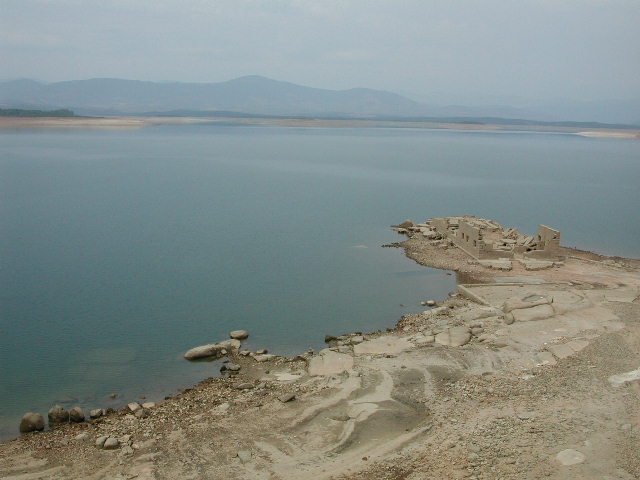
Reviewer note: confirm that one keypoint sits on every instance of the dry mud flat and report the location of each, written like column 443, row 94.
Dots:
column 537, row 378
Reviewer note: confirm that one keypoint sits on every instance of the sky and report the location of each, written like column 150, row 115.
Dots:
column 502, row 50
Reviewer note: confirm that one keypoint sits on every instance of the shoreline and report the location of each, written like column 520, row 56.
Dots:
column 136, row 122
column 401, row 404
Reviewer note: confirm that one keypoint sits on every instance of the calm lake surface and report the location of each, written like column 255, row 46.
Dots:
column 122, row 249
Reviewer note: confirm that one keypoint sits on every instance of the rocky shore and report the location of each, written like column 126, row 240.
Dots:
column 519, row 374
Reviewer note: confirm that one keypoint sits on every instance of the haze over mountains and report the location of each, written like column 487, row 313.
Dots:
column 264, row 96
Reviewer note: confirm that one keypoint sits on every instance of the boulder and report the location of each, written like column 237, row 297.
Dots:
column 31, row 422
column 215, row 350
column 58, row 414
column 96, row 413
column 454, row 337
column 76, row 415
column 239, row 334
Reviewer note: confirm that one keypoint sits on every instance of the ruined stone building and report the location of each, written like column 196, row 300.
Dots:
column 490, row 243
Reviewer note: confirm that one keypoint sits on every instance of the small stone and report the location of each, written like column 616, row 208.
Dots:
column 244, row 455
column 245, row 353
column 341, row 417
column 141, row 413
column 83, row 437
column 570, row 457
column 243, row 386
column 477, row 331
column 127, row 450
column 262, row 351
column 76, row 415
column 287, row 397
column 111, row 443
column 430, row 303
column 263, row 357
column 148, row 405
column 233, row 367
column 113, row 395
column 100, row 441
column 31, row 422
column 239, row 334
column 357, row 339
column 134, row 406
column 329, row 338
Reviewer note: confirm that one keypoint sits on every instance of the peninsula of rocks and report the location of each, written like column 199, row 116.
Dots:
column 529, row 370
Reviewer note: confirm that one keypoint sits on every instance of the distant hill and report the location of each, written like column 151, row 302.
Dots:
column 252, row 94
column 256, row 95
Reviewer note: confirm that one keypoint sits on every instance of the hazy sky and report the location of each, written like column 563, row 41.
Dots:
column 576, row 49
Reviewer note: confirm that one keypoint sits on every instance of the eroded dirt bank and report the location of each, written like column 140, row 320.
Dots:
column 459, row 391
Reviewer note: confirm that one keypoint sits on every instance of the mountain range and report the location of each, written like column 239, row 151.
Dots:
column 264, row 96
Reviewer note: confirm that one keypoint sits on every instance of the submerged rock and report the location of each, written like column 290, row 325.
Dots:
column 31, row 422
column 239, row 334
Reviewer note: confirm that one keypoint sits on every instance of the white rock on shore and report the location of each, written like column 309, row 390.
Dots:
column 212, row 350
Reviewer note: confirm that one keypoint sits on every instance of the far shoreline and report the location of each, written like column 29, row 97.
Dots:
column 136, row 122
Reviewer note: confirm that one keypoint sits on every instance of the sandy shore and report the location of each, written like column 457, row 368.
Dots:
column 539, row 398
column 149, row 121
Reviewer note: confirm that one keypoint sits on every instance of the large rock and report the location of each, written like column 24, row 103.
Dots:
column 58, row 414
column 96, row 413
column 76, row 415
column 31, row 422
column 539, row 312
column 239, row 334
column 215, row 350
column 454, row 337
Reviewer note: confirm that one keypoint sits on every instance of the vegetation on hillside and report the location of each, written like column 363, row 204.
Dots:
column 17, row 112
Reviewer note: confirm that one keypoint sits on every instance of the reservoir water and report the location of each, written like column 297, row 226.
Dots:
column 119, row 250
